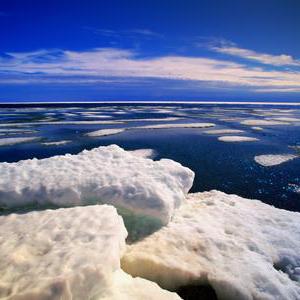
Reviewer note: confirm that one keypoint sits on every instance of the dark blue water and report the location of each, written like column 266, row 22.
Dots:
column 229, row 167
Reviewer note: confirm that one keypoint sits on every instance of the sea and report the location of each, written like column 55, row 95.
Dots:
column 61, row 128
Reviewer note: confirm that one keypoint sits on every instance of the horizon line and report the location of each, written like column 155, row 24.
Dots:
column 150, row 102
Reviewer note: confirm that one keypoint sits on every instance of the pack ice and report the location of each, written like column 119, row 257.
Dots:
column 68, row 253
column 243, row 248
column 102, row 175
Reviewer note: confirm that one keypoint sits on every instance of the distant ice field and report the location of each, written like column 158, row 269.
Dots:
column 45, row 131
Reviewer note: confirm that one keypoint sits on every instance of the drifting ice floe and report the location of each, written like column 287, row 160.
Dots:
column 223, row 131
column 273, row 159
column 257, row 128
column 243, row 248
column 70, row 253
column 56, row 143
column 63, row 123
column 17, row 140
column 263, row 122
column 104, row 132
column 286, row 119
column 233, row 138
column 182, row 125
column 102, row 175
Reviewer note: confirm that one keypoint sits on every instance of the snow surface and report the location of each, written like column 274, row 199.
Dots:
column 146, row 153
column 268, row 160
column 102, row 175
column 180, row 125
column 69, row 253
column 243, row 248
column 16, row 140
column 233, row 138
column 223, row 131
column 104, row 132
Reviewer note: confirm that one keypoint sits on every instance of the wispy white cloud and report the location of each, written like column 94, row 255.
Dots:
column 126, row 33
column 96, row 64
column 232, row 49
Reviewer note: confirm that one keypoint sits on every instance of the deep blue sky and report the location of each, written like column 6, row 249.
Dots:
column 159, row 50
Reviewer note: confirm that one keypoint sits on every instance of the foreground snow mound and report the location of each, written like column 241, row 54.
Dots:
column 102, row 175
column 269, row 160
column 243, row 248
column 67, row 253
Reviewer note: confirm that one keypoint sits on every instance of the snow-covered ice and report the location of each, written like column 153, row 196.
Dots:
column 254, row 122
column 105, row 132
column 223, row 131
column 243, row 248
column 286, row 119
column 60, row 254
column 58, row 143
column 257, row 128
column 68, row 253
column 16, row 140
column 268, row 160
column 101, row 175
column 146, row 153
column 233, row 138
column 178, row 125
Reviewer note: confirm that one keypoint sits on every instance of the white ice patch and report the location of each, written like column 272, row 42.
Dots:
column 253, row 122
column 273, row 159
column 63, row 123
column 58, row 143
column 16, row 140
column 145, row 153
column 286, row 119
column 105, row 132
column 233, row 138
column 243, row 248
column 179, row 125
column 257, row 128
column 152, row 119
column 102, row 175
column 224, row 131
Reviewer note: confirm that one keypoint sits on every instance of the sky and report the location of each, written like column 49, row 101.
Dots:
column 75, row 50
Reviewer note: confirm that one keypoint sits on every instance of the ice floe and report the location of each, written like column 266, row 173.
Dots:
column 224, row 131
column 63, row 123
column 16, row 140
column 257, row 128
column 68, row 253
column 58, row 143
column 102, row 175
column 268, row 160
column 105, row 132
column 286, row 119
column 60, row 254
column 243, row 248
column 253, row 122
column 233, row 138
column 179, row 125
